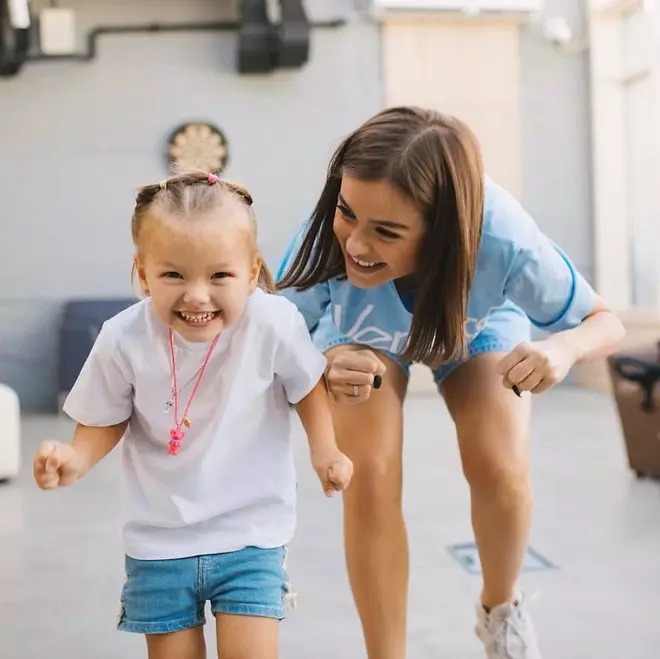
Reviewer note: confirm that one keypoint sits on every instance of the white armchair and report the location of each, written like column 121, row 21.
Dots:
column 10, row 433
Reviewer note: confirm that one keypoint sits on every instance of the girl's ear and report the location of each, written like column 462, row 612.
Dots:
column 255, row 272
column 138, row 271
column 262, row 277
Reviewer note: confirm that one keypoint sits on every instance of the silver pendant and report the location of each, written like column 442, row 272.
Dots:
column 169, row 403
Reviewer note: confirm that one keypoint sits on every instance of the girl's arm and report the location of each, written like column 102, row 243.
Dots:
column 101, row 403
column 333, row 468
column 316, row 418
column 300, row 367
column 56, row 464
column 91, row 444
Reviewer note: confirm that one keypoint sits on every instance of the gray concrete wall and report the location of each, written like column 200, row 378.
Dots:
column 556, row 135
column 78, row 138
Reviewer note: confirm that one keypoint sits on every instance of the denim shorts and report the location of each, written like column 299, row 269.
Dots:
column 505, row 328
column 163, row 596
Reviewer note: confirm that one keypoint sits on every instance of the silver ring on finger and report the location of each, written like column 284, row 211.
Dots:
column 356, row 391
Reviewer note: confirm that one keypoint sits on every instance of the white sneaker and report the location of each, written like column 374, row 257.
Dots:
column 507, row 632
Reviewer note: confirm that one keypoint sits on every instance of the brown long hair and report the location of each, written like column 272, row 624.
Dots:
column 434, row 160
column 189, row 193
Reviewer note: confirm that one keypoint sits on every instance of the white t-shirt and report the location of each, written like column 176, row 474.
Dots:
column 233, row 482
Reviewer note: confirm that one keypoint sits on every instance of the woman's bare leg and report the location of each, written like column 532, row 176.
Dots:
column 376, row 545
column 493, row 427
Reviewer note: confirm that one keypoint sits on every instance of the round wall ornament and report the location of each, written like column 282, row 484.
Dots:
column 198, row 145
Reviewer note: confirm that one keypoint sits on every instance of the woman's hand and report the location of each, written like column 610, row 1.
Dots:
column 352, row 374
column 538, row 365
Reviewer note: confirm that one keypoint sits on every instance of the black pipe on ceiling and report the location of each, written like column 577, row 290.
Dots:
column 263, row 46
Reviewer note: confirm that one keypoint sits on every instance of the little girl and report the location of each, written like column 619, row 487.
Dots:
column 198, row 378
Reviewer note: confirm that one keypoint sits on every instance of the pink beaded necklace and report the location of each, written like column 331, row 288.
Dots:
column 177, row 434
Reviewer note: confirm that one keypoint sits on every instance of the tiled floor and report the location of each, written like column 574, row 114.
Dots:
column 61, row 567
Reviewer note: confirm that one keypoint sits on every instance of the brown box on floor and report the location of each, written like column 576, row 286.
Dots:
column 635, row 377
column 642, row 329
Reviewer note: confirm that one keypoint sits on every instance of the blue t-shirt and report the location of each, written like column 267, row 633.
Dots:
column 517, row 265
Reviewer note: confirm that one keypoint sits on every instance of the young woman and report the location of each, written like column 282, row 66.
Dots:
column 413, row 255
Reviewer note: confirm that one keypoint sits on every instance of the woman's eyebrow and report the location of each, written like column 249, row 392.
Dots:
column 384, row 223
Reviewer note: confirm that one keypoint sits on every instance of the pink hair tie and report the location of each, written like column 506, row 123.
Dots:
column 213, row 178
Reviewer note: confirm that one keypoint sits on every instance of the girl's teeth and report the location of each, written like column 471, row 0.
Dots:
column 197, row 318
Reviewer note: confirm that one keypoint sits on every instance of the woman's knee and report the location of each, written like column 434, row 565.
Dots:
column 376, row 488
column 495, row 454
column 376, row 452
column 501, row 475
column 493, row 428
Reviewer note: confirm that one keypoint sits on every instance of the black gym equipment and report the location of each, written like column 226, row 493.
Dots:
column 14, row 36
column 263, row 46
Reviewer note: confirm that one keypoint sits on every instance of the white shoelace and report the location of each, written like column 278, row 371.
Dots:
column 507, row 628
